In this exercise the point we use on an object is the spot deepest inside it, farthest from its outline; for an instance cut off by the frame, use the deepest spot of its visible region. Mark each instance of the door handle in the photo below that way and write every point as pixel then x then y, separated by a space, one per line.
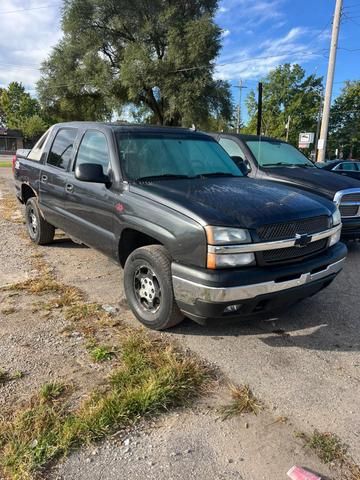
pixel 44 178
pixel 69 187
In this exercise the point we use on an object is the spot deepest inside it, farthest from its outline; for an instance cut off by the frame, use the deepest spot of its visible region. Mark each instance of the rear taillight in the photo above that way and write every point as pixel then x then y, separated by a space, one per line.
pixel 13 163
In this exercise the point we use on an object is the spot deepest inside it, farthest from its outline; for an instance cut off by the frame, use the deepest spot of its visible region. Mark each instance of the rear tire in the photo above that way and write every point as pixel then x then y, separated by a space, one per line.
pixel 39 230
pixel 148 288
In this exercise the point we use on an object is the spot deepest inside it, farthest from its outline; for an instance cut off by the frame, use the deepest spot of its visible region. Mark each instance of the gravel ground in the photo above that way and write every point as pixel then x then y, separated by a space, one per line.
pixel 304 366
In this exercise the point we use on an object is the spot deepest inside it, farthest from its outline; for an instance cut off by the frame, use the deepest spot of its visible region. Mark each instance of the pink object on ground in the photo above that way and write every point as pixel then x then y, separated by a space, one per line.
pixel 298 473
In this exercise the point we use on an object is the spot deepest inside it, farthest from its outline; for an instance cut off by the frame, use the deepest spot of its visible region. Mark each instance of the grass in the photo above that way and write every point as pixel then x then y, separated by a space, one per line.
pixel 242 401
pixel 331 450
pixel 100 353
pixel 8 377
pixel 81 311
pixel 153 378
pixel 69 296
pixel 9 209
pixel 327 446
pixel 51 391
pixel 5 164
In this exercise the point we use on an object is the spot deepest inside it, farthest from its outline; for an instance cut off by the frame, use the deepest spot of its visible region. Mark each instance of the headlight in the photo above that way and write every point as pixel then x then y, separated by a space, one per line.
pixel 336 217
pixel 224 235
pixel 230 260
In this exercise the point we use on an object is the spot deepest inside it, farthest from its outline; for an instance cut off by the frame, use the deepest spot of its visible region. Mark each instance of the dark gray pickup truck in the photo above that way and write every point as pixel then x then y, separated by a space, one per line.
pixel 195 236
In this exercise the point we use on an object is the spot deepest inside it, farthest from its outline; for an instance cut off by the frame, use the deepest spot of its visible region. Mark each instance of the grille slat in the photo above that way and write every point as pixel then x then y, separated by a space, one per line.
pixel 293 253
pixel 282 231
pixel 351 197
pixel 349 210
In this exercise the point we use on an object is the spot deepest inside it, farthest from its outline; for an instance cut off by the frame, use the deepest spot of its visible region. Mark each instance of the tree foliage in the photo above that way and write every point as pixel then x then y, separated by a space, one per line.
pixel 156 55
pixel 17 105
pixel 18 110
pixel 345 122
pixel 33 127
pixel 287 91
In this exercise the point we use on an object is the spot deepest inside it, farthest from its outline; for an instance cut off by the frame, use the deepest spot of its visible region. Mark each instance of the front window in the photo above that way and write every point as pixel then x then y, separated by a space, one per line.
pixel 165 156
pixel 94 149
pixel 274 153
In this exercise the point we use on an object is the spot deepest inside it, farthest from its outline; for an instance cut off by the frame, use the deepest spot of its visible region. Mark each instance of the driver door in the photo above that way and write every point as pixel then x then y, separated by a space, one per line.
pixel 91 206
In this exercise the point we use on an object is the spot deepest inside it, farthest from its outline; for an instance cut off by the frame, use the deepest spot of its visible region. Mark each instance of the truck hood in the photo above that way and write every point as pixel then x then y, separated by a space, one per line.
pixel 240 202
pixel 312 179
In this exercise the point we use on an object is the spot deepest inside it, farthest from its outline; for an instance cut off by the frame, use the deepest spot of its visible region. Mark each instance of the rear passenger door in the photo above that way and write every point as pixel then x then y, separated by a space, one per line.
pixel 54 176
pixel 90 206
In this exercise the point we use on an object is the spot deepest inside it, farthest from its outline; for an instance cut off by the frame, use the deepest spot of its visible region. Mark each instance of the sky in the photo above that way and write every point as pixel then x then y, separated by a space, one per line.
pixel 258 35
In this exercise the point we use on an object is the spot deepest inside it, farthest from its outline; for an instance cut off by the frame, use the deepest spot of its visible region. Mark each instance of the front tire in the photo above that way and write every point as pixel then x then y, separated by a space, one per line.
pixel 39 230
pixel 148 287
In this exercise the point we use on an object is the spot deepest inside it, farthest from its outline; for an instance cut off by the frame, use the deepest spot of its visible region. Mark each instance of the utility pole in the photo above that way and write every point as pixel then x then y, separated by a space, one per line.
pixel 329 82
pixel 287 126
pixel 318 126
pixel 238 121
pixel 259 115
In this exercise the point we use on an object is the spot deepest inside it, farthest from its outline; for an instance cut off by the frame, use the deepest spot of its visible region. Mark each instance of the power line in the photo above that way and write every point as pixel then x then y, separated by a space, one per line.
pixel 28 9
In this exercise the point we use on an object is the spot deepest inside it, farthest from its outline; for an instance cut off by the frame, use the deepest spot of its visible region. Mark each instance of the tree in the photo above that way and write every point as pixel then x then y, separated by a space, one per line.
pixel 33 127
pixel 17 105
pixel 2 113
pixel 345 122
pixel 287 92
pixel 157 56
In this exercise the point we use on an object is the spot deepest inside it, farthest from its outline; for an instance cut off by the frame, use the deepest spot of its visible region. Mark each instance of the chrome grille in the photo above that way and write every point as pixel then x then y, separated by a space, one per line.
pixel 349 210
pixel 351 197
pixel 293 253
pixel 282 231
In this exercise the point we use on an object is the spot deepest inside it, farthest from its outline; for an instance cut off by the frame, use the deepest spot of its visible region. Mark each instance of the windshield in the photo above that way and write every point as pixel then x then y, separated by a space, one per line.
pixel 164 156
pixel 272 153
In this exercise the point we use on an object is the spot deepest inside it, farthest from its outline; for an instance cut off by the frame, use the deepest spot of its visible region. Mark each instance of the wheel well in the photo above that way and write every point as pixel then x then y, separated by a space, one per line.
pixel 26 193
pixel 131 240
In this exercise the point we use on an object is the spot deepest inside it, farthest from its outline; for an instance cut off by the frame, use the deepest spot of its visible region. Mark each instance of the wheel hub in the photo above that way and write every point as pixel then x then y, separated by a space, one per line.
pixel 147 289
pixel 33 221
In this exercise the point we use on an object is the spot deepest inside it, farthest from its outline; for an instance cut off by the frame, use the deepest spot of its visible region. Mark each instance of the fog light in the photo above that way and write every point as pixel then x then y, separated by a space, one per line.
pixel 232 308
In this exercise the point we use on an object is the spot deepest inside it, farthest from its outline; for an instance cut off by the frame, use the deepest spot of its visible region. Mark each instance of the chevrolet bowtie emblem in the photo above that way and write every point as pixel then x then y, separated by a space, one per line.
pixel 302 240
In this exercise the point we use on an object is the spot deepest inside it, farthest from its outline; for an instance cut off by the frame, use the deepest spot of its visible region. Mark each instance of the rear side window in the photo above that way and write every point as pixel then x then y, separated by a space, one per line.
pixel 36 151
pixel 94 149
pixel 62 148
pixel 347 167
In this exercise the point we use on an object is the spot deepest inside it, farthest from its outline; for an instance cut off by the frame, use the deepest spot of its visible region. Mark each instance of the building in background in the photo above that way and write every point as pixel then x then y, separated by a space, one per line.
pixel 10 141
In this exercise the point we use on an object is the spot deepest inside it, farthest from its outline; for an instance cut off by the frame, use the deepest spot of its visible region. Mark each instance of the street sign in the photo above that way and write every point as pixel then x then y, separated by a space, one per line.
pixel 306 139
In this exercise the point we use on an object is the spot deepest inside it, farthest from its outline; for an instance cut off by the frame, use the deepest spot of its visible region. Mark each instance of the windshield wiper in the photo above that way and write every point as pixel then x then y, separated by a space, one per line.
pixel 303 165
pixel 165 176
pixel 290 165
pixel 282 164
pixel 216 174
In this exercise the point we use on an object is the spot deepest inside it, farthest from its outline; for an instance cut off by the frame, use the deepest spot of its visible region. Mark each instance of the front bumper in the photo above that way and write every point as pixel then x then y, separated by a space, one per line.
pixel 203 294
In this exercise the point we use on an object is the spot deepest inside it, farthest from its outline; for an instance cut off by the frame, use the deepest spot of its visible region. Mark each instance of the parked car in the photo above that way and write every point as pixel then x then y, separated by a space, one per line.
pixel 348 168
pixel 267 158
pixel 195 236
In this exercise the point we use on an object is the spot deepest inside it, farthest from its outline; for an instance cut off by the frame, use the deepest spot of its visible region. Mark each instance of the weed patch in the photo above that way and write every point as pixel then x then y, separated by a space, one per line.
pixel 331 450
pixel 51 391
pixel 153 377
pixel 100 353
pixel 8 377
pixel 242 401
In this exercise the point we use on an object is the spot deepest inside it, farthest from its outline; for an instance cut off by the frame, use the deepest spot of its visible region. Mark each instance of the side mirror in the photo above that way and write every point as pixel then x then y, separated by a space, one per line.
pixel 91 172
pixel 242 165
